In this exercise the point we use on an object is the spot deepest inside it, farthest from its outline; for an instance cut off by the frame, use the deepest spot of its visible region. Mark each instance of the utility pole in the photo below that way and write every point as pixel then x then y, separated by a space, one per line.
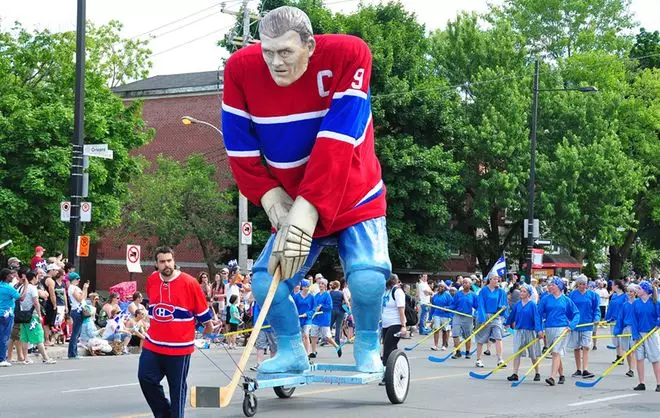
pixel 78 139
pixel 532 172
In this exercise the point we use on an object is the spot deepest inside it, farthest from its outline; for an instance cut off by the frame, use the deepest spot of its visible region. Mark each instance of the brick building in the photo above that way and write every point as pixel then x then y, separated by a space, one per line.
pixel 166 99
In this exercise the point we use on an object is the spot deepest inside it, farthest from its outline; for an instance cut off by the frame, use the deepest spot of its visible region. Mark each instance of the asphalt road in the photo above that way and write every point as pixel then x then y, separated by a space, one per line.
pixel 107 387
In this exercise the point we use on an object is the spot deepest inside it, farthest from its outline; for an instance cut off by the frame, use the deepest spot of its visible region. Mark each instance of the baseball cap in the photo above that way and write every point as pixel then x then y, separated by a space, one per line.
pixel 52 266
pixel 39 248
pixel 13 260
pixel 74 276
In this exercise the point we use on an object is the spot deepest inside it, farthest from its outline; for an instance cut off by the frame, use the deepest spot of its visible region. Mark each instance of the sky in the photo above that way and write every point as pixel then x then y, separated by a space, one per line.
pixel 189 45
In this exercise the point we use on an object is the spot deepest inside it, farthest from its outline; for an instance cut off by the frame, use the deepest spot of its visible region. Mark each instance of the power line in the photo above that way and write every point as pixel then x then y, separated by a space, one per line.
pixel 192 40
pixel 185 25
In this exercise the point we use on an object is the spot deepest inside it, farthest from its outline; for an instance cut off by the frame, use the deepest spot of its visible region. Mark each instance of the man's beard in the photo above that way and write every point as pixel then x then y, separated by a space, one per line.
pixel 167 272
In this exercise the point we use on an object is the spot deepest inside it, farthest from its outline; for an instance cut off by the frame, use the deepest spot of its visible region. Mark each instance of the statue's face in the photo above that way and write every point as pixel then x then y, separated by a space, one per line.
pixel 286 56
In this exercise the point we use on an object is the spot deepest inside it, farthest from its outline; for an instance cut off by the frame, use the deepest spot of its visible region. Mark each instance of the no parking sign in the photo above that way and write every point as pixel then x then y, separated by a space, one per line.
pixel 133 255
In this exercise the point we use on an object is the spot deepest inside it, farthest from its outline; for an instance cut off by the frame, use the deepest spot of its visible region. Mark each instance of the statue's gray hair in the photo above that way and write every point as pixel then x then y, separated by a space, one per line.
pixel 283 19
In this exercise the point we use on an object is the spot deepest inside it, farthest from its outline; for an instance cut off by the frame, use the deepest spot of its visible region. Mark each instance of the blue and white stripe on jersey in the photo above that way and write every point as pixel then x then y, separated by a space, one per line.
pixel 349 118
pixel 236 126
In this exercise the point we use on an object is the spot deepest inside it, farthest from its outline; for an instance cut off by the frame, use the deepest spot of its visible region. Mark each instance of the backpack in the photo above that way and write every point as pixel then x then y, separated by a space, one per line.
pixel 410 310
pixel 21 316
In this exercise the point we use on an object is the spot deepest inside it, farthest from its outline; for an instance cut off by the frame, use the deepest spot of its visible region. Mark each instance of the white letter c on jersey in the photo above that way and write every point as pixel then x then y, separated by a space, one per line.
pixel 319 80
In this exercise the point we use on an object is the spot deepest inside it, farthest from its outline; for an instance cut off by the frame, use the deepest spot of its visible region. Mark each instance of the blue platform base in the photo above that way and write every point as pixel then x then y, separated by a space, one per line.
pixel 313 376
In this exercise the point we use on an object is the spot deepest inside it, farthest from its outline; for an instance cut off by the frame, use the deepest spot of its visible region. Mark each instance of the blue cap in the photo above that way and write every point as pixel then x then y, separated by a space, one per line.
pixel 304 283
pixel 646 286
pixel 74 276
pixel 448 282
pixel 558 282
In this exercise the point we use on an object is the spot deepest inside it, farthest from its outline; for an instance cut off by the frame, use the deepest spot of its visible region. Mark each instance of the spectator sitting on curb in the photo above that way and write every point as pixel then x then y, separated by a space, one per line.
pixel 115 330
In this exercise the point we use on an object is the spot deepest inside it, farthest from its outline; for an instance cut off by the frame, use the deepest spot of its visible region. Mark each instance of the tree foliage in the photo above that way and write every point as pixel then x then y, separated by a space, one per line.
pixel 178 201
pixel 37 73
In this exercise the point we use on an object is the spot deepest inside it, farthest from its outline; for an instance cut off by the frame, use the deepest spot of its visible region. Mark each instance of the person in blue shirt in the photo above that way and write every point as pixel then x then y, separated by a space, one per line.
pixel 623 325
pixel 265 339
pixel 304 301
pixel 441 318
pixel 581 339
pixel 613 308
pixel 465 301
pixel 321 321
pixel 524 318
pixel 557 313
pixel 646 319
pixel 491 299
pixel 8 298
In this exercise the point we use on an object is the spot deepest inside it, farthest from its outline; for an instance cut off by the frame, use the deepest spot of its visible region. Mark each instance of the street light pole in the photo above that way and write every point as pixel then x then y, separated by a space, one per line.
pixel 78 139
pixel 532 172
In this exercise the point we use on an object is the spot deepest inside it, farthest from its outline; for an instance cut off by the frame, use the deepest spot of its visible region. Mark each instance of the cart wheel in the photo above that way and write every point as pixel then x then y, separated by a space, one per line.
pixel 283 392
pixel 249 405
pixel 397 377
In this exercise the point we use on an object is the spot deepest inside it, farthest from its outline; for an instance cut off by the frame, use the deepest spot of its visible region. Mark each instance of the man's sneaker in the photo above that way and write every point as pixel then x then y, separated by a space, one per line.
pixel 49 361
pixel 479 363
pixel 588 375
pixel 487 353
pixel 435 348
pixel 630 373
pixel 312 355
pixel 550 381
pixel 562 379
pixel 537 377
pixel 577 374
pixel 641 386
pixel 500 362
pixel 512 378
pixel 5 364
pixel 457 354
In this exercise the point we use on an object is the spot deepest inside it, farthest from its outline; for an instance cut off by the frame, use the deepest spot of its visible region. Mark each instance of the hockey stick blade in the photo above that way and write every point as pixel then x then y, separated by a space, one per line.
pixel 439 359
pixel 518 383
pixel 583 384
pixel 611 347
pixel 480 376
pixel 410 348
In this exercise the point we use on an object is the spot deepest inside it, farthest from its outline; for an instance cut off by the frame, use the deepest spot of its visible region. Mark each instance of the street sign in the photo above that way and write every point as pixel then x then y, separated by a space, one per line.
pixel 85 212
pixel 133 258
pixel 537 258
pixel 543 242
pixel 65 211
pixel 249 263
pixel 83 246
pixel 91 149
pixel 246 233
pixel 536 233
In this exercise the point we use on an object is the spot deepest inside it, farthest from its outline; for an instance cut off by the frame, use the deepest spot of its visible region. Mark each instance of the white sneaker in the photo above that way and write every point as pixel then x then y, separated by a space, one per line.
pixel 49 361
pixel 28 361
pixel 444 348
pixel 434 348
pixel 500 361
pixel 479 363
pixel 5 364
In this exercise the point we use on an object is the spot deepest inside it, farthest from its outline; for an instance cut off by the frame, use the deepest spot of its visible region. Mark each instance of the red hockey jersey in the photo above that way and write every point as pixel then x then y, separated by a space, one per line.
pixel 315 135
pixel 173 308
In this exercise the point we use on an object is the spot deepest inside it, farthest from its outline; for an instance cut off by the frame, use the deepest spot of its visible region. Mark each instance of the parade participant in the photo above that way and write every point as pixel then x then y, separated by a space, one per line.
pixel 175 302
pixel 557 312
pixel 321 321
pixel 614 306
pixel 265 339
pixel 646 318
pixel 394 317
pixel 580 340
pixel 623 325
pixel 491 299
pixel 464 301
pixel 443 299
pixel 304 301
pixel 302 103
pixel 524 318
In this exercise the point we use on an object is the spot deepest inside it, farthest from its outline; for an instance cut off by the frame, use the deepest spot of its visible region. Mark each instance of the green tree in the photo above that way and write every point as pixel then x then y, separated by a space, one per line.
pixel 181 203
pixel 37 73
pixel 647 49
pixel 561 28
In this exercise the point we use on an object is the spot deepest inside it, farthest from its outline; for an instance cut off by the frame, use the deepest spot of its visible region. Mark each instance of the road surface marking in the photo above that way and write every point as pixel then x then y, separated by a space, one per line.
pixel 35 373
pixel 610 398
pixel 99 388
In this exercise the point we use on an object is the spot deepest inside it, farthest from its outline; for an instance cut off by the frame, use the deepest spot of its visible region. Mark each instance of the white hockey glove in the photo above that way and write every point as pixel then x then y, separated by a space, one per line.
pixel 294 239
pixel 277 204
